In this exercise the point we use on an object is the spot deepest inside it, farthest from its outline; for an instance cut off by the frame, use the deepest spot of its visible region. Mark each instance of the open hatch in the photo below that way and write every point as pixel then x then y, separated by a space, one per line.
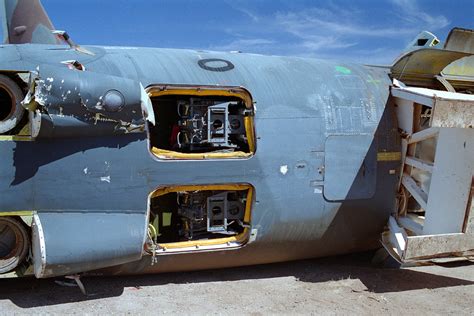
pixel 201 122
pixel 199 217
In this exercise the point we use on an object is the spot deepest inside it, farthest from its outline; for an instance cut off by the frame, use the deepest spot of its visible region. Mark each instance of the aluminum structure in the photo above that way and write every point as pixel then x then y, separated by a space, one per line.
pixel 119 160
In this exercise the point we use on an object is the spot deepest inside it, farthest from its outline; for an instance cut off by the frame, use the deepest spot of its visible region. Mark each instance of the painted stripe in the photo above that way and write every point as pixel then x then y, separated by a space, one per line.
pixel 16 138
pixel 17 213
pixel 389 156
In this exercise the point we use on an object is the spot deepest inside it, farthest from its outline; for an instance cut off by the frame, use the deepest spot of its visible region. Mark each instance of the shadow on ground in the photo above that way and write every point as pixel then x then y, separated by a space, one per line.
pixel 27 293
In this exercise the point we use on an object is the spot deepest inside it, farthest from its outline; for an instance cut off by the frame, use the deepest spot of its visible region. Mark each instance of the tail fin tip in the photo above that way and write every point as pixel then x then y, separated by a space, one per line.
pixel 26 21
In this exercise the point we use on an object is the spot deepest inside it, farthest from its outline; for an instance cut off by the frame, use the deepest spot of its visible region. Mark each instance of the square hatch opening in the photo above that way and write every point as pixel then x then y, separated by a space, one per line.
pixel 199 217
pixel 201 122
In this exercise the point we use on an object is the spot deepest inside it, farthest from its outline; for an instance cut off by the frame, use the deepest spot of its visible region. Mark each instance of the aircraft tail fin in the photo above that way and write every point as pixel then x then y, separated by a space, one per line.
pixel 428 63
pixel 26 21
pixel 461 40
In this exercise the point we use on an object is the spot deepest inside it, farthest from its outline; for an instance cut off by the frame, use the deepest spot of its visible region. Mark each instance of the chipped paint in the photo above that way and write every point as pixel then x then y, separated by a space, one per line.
pixel 284 169
pixel 105 179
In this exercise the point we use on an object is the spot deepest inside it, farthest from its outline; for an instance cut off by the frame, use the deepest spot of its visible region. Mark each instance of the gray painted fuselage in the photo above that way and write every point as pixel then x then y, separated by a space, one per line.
pixel 308 111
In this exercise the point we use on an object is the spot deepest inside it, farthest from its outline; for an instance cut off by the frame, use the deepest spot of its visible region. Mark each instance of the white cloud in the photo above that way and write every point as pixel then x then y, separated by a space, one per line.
pixel 318 21
pixel 246 45
pixel 316 43
pixel 254 17
pixel 333 31
pixel 413 15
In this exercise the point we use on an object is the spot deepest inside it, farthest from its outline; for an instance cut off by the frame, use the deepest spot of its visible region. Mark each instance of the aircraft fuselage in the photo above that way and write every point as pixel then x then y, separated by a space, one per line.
pixel 324 171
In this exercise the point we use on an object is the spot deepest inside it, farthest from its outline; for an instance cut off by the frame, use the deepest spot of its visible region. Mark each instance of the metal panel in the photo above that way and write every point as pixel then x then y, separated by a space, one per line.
pixel 77 242
pixel 437 245
pixel 453 113
pixel 424 62
pixel 404 111
pixel 461 40
pixel 350 167
pixel 426 96
pixel 450 182
pixel 414 97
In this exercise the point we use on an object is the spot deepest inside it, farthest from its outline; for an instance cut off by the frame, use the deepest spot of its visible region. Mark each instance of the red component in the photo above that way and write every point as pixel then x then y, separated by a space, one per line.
pixel 174 135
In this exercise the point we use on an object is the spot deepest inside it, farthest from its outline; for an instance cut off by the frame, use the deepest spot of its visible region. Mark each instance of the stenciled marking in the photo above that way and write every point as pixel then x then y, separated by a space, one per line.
pixel 343 70
pixel 389 156
pixel 206 64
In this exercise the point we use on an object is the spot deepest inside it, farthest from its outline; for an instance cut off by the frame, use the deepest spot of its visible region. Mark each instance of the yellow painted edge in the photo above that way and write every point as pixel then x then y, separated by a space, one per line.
pixel 169 154
pixel 208 91
pixel 180 188
pixel 242 237
pixel 17 213
pixel 389 156
pixel 250 131
pixel 206 242
pixel 202 91
pixel 248 206
pixel 16 138
pixel 25 131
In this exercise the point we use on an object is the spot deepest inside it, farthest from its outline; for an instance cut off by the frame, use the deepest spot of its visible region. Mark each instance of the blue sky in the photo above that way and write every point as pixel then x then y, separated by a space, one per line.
pixel 362 31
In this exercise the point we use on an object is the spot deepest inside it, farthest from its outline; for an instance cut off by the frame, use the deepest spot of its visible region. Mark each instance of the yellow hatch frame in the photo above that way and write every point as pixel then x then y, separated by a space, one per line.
pixel 240 238
pixel 207 91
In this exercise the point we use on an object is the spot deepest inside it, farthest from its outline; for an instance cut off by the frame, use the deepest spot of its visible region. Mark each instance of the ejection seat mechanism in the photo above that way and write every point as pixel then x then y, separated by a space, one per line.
pixel 202 213
pixel 207 126
pixel 222 210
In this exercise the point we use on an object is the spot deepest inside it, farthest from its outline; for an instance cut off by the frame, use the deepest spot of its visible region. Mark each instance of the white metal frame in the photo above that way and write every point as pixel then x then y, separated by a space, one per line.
pixel 447 227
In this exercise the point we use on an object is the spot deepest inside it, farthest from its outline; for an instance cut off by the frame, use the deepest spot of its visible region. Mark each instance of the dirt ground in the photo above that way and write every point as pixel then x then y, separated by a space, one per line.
pixel 337 285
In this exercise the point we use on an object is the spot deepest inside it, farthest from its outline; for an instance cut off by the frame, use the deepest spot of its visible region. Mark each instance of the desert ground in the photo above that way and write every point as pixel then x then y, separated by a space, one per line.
pixel 349 284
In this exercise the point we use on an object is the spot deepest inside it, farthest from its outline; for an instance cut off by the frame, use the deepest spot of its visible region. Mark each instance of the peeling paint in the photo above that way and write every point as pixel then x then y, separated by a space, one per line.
pixel 105 179
pixel 318 190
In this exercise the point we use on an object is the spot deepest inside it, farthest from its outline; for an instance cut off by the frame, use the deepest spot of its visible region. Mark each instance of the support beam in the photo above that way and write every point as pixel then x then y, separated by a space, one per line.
pixel 412 223
pixel 420 196
pixel 423 135
pixel 414 97
pixel 419 163
pixel 397 236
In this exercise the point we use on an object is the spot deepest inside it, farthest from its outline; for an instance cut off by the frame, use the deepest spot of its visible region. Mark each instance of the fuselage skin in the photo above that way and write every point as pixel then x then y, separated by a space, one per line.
pixel 302 104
